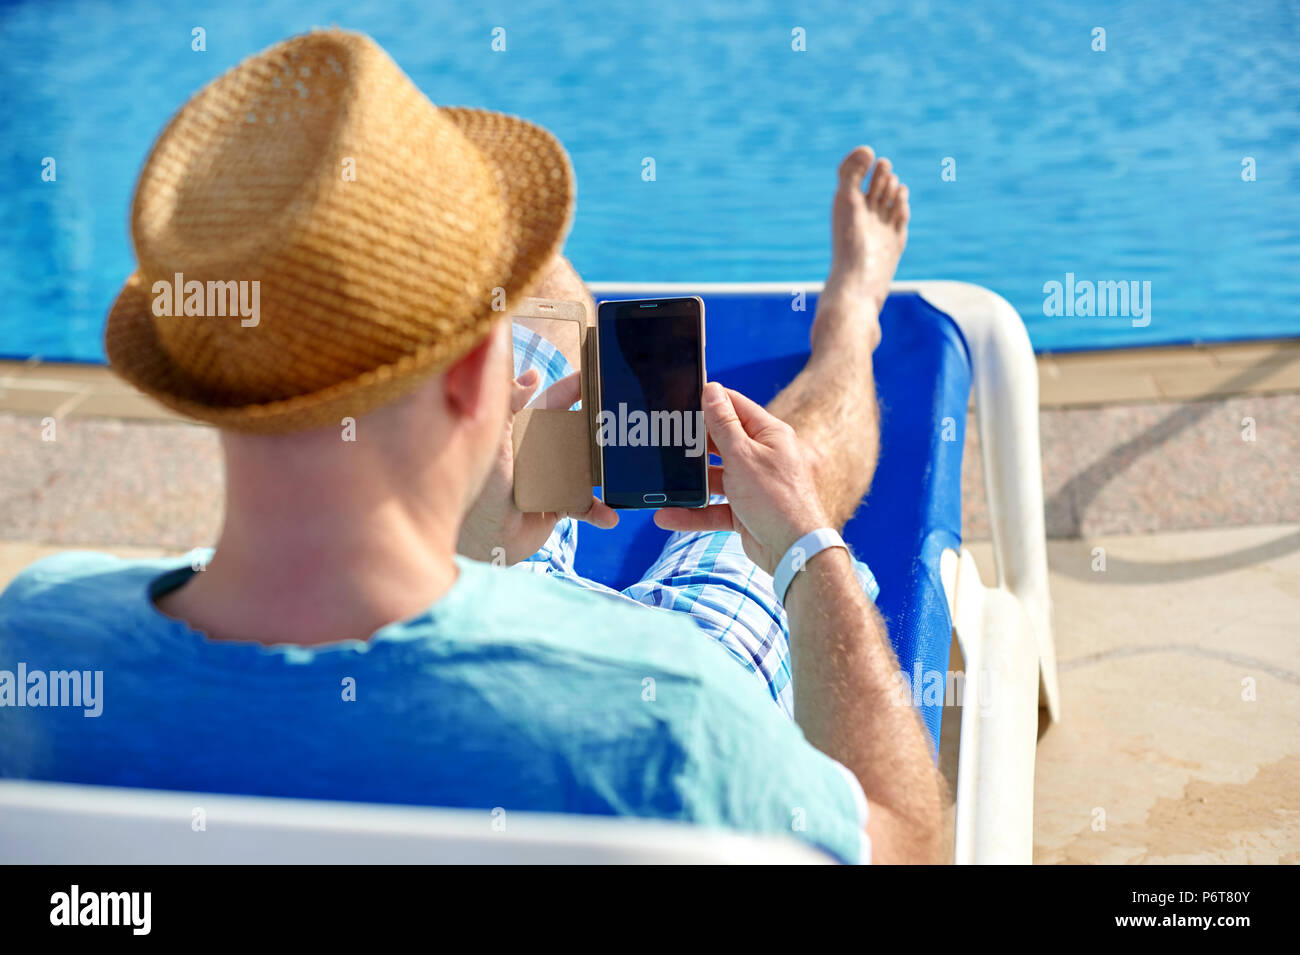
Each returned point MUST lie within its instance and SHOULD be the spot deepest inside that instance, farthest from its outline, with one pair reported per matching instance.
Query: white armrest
(62, 824)
(1005, 384)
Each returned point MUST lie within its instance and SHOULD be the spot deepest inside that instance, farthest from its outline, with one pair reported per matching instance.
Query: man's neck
(314, 558)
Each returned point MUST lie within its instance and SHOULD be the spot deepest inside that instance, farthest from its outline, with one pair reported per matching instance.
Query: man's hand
(766, 475)
(496, 530)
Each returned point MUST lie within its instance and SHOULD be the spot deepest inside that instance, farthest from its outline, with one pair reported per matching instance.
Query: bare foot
(868, 233)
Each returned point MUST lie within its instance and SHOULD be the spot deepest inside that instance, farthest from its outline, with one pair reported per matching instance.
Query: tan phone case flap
(556, 457)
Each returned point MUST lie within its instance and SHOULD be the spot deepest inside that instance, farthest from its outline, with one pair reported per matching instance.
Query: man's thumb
(522, 388)
(721, 420)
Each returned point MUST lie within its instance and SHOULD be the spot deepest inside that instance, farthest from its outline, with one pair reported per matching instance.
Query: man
(335, 645)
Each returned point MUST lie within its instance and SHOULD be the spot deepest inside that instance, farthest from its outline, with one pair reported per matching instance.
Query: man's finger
(601, 515)
(562, 394)
(715, 479)
(755, 419)
(715, 517)
(523, 389)
(720, 419)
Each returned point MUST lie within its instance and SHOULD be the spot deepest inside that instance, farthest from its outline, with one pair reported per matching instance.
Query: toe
(879, 179)
(854, 168)
(890, 195)
(902, 211)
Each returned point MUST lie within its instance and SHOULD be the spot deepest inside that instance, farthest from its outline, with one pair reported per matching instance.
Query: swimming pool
(1064, 163)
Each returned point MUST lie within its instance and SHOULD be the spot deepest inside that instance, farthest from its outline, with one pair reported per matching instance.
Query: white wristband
(800, 552)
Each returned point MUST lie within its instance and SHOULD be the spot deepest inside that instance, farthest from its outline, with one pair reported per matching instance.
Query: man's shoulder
(79, 585)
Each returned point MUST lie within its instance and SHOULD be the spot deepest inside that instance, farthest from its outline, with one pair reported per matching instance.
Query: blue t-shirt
(511, 691)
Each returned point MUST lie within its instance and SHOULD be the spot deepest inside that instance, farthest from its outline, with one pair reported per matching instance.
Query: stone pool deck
(1179, 662)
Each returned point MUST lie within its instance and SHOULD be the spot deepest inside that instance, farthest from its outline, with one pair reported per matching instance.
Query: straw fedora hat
(314, 238)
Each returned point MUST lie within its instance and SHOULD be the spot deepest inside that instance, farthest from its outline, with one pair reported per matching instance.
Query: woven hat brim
(537, 185)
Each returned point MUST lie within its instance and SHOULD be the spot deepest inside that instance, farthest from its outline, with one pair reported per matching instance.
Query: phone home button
(654, 498)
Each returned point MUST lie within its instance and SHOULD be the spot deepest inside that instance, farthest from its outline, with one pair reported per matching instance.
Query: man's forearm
(848, 705)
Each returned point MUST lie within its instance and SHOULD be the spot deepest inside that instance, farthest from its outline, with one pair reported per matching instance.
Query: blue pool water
(1122, 165)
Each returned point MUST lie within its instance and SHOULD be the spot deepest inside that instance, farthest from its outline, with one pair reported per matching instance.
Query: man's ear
(467, 381)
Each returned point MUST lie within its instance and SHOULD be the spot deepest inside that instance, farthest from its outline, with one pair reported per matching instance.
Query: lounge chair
(941, 339)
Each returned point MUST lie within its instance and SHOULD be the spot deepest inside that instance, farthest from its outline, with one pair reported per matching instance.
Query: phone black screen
(651, 431)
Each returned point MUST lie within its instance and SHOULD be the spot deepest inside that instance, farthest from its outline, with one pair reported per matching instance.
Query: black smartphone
(650, 367)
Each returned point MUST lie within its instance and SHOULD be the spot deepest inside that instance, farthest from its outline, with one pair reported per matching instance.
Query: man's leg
(831, 403)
